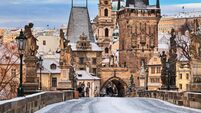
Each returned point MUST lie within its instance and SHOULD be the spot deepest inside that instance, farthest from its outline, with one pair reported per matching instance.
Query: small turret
(158, 3)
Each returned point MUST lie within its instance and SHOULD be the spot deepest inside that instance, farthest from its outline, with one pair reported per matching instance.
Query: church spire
(158, 3)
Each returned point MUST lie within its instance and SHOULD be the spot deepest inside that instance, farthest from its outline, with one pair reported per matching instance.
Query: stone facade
(183, 75)
(86, 55)
(179, 24)
(104, 25)
(120, 77)
(138, 35)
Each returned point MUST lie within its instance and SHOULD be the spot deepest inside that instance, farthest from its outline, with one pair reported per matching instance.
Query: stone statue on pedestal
(31, 45)
(32, 82)
(67, 72)
(163, 72)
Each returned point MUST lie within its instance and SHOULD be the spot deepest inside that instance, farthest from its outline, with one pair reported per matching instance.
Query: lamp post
(168, 75)
(21, 43)
(40, 60)
(146, 77)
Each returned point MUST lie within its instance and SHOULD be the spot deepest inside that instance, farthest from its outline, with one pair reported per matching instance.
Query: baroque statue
(31, 45)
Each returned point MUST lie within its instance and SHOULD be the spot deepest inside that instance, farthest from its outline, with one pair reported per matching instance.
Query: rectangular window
(81, 60)
(13, 72)
(94, 71)
(187, 87)
(44, 42)
(158, 69)
(152, 70)
(180, 86)
(54, 82)
(94, 61)
(180, 76)
(81, 68)
(187, 76)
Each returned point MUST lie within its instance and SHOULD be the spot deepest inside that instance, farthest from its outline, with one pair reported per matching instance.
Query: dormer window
(79, 75)
(53, 66)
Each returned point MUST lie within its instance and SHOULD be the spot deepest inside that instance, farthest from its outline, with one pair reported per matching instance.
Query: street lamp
(146, 79)
(21, 43)
(168, 75)
(40, 60)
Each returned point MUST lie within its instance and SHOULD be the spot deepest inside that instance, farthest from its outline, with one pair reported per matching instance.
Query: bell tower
(105, 25)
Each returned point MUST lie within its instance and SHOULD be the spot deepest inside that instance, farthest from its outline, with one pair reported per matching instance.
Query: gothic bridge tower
(138, 24)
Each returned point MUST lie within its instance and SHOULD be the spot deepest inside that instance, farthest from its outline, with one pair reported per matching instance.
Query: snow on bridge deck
(116, 105)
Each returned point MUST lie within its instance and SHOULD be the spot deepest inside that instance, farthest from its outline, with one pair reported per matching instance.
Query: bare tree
(9, 64)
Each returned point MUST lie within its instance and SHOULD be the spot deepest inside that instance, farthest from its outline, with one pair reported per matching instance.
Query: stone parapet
(188, 99)
(35, 102)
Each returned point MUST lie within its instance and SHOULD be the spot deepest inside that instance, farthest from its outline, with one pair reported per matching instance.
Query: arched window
(106, 32)
(106, 12)
(53, 66)
(106, 50)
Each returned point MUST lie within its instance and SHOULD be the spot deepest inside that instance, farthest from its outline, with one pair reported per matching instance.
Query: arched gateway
(114, 81)
(116, 86)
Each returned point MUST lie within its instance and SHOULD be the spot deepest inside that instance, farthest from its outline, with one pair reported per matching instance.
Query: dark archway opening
(114, 88)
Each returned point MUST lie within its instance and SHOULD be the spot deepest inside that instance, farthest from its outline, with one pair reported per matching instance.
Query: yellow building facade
(183, 76)
(154, 73)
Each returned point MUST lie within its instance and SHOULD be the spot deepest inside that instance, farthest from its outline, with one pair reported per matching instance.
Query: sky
(17, 13)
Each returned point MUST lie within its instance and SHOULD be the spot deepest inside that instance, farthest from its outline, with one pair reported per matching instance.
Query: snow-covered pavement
(116, 105)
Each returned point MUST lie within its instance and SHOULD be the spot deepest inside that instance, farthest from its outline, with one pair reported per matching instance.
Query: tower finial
(127, 3)
(72, 3)
(86, 3)
(119, 5)
(147, 2)
(158, 3)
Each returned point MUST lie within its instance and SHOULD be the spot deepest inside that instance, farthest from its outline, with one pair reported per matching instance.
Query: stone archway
(119, 85)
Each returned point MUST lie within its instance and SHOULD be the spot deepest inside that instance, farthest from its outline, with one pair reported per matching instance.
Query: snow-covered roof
(84, 75)
(185, 15)
(47, 62)
(94, 47)
(79, 22)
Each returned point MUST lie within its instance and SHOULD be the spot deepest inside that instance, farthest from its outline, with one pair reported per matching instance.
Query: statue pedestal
(32, 82)
(142, 82)
(195, 84)
(64, 83)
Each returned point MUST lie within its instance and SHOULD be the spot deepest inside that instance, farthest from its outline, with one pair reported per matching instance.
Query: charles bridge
(35, 102)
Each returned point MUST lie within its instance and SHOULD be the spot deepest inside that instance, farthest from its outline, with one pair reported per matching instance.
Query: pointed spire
(86, 3)
(147, 2)
(119, 5)
(72, 3)
(158, 3)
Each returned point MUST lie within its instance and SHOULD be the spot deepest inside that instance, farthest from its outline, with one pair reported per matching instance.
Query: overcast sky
(17, 13)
